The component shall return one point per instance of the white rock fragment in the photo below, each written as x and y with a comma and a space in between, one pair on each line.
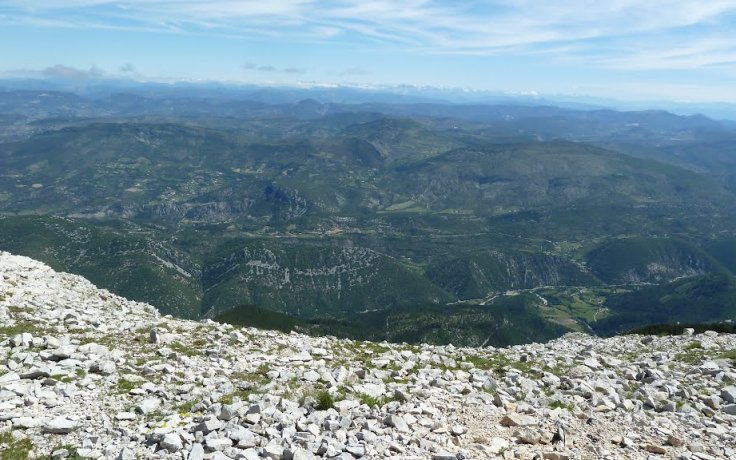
60, 425
148, 405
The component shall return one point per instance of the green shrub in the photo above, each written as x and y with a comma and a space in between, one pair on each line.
324, 401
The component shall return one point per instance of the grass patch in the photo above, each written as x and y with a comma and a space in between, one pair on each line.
73, 454
124, 386
262, 370
370, 401
258, 377
729, 354
480, 362
14, 449
556, 404
183, 349
185, 408
20, 327
691, 355
325, 401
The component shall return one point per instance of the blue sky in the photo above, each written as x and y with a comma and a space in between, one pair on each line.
655, 49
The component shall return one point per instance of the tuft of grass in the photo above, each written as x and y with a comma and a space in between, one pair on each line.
325, 401
124, 386
185, 408
479, 362
370, 401
183, 349
14, 449
259, 377
20, 327
263, 370
556, 404
73, 454
691, 356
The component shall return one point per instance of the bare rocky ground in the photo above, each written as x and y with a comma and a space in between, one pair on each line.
87, 374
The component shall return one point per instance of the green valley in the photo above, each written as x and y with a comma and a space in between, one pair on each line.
441, 223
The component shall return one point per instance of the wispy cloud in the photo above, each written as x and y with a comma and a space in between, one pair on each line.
128, 69
72, 73
270, 68
600, 32
680, 54
354, 71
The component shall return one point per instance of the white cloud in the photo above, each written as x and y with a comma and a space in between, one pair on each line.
72, 73
593, 28
678, 54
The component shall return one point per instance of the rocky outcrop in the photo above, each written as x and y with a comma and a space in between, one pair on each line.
84, 372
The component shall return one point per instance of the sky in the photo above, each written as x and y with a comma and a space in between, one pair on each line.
675, 50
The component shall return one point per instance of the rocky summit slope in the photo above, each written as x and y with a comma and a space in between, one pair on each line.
87, 374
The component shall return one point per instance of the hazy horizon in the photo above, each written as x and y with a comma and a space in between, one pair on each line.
680, 51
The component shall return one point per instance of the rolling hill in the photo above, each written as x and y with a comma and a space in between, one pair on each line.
390, 217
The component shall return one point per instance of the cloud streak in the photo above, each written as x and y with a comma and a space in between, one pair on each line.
598, 32
273, 69
72, 73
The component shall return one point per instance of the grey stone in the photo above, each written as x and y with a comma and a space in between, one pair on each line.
148, 405
228, 412
59, 454
197, 452
273, 452
302, 454
60, 425
89, 453
171, 442
218, 444
220, 456
209, 425
397, 422
252, 454
355, 451
458, 430
655, 449
518, 420
8, 378
728, 394
527, 436
127, 454
675, 441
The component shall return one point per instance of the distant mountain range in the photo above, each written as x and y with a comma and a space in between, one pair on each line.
375, 219
93, 88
